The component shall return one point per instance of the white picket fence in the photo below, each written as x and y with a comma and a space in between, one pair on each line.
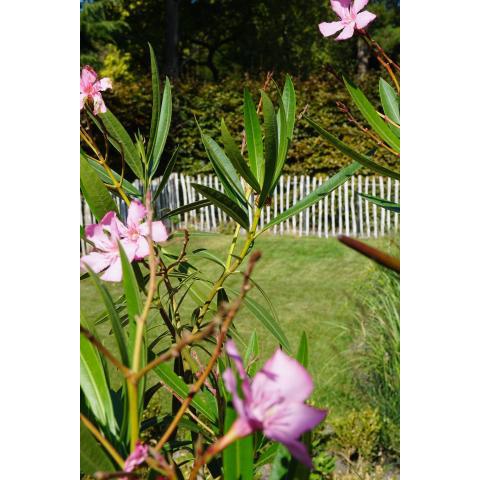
340, 212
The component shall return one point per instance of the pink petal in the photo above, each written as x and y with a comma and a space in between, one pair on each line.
329, 28
299, 451
359, 5
97, 235
136, 213
239, 404
143, 250
159, 232
136, 458
83, 99
347, 32
98, 104
292, 419
114, 272
282, 375
364, 18
130, 247
341, 7
105, 83
88, 77
233, 353
97, 261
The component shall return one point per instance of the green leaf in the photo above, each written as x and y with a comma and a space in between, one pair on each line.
390, 104
239, 214
123, 143
225, 170
202, 401
331, 184
358, 157
271, 145
387, 204
166, 173
162, 128
268, 455
282, 143
186, 208
126, 185
155, 100
237, 159
95, 192
93, 457
302, 354
251, 354
267, 319
237, 457
371, 115
113, 314
93, 382
253, 134
290, 103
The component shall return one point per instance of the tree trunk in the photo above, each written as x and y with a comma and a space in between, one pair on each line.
363, 57
171, 38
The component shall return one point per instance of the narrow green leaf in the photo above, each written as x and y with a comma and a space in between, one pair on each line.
390, 104
162, 129
155, 100
223, 202
95, 192
371, 115
237, 457
387, 204
202, 401
302, 354
166, 174
124, 143
290, 103
282, 143
126, 185
331, 184
93, 382
251, 354
267, 319
268, 455
236, 158
253, 134
271, 145
113, 314
225, 170
358, 157
186, 208
93, 457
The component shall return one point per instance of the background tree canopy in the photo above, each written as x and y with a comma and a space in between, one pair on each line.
211, 48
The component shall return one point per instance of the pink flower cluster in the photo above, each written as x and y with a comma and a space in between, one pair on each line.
273, 402
90, 89
107, 234
351, 18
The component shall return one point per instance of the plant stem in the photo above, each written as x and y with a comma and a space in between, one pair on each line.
107, 445
132, 381
214, 357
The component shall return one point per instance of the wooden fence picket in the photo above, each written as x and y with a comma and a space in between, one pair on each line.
341, 211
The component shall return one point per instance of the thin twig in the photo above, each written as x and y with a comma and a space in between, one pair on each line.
108, 446
216, 353
176, 349
344, 109
101, 348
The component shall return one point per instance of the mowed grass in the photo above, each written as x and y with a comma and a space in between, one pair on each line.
311, 283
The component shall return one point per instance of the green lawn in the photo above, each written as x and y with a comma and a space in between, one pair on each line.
312, 284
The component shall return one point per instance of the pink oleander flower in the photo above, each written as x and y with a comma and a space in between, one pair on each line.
136, 232
135, 459
105, 237
351, 18
273, 402
90, 89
